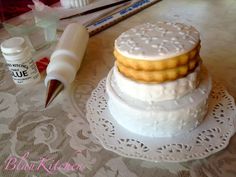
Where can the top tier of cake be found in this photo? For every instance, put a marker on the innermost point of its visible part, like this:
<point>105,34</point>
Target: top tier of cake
<point>158,41</point>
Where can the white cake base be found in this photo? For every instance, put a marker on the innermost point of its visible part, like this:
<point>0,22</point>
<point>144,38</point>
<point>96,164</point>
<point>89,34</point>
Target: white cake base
<point>157,92</point>
<point>211,136</point>
<point>159,119</point>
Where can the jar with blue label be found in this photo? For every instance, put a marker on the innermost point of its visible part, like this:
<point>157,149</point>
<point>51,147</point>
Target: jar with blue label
<point>19,60</point>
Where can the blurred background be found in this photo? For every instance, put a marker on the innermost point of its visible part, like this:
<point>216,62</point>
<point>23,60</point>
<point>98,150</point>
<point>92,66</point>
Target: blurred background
<point>12,8</point>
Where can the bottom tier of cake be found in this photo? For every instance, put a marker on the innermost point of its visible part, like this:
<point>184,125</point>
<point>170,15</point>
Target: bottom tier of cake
<point>162,118</point>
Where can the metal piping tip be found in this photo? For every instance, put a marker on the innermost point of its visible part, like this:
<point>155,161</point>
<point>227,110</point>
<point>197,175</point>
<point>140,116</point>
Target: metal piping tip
<point>54,87</point>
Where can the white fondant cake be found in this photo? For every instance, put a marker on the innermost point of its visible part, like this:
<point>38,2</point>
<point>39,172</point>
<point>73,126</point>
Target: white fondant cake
<point>157,41</point>
<point>164,108</point>
<point>156,92</point>
<point>160,119</point>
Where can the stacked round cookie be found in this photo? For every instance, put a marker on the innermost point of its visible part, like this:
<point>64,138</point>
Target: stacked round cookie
<point>158,86</point>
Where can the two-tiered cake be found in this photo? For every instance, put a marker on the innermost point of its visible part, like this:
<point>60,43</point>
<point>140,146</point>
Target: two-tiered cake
<point>158,86</point>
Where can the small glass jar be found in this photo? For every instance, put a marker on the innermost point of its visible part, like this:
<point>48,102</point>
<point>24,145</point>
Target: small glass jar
<point>19,60</point>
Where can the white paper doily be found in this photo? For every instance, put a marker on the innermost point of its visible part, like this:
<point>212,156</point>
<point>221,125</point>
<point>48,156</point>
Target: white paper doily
<point>210,137</point>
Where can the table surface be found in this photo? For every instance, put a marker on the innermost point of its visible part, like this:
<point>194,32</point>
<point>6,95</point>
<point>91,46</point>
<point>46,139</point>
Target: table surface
<point>61,132</point>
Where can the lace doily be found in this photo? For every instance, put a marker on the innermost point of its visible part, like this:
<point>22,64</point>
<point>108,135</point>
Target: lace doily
<point>210,137</point>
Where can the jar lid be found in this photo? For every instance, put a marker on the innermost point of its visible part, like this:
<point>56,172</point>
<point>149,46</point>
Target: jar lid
<point>13,45</point>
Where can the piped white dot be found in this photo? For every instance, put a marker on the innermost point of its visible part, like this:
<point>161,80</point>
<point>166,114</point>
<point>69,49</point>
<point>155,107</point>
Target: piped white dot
<point>155,46</point>
<point>137,48</point>
<point>154,38</point>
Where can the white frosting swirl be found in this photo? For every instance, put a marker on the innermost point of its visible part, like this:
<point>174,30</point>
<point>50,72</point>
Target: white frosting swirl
<point>157,41</point>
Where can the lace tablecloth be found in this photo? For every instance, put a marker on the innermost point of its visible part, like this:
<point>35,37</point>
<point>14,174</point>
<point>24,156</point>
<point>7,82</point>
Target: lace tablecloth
<point>59,137</point>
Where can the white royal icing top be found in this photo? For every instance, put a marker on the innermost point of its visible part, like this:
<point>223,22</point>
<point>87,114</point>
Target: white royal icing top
<point>157,41</point>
